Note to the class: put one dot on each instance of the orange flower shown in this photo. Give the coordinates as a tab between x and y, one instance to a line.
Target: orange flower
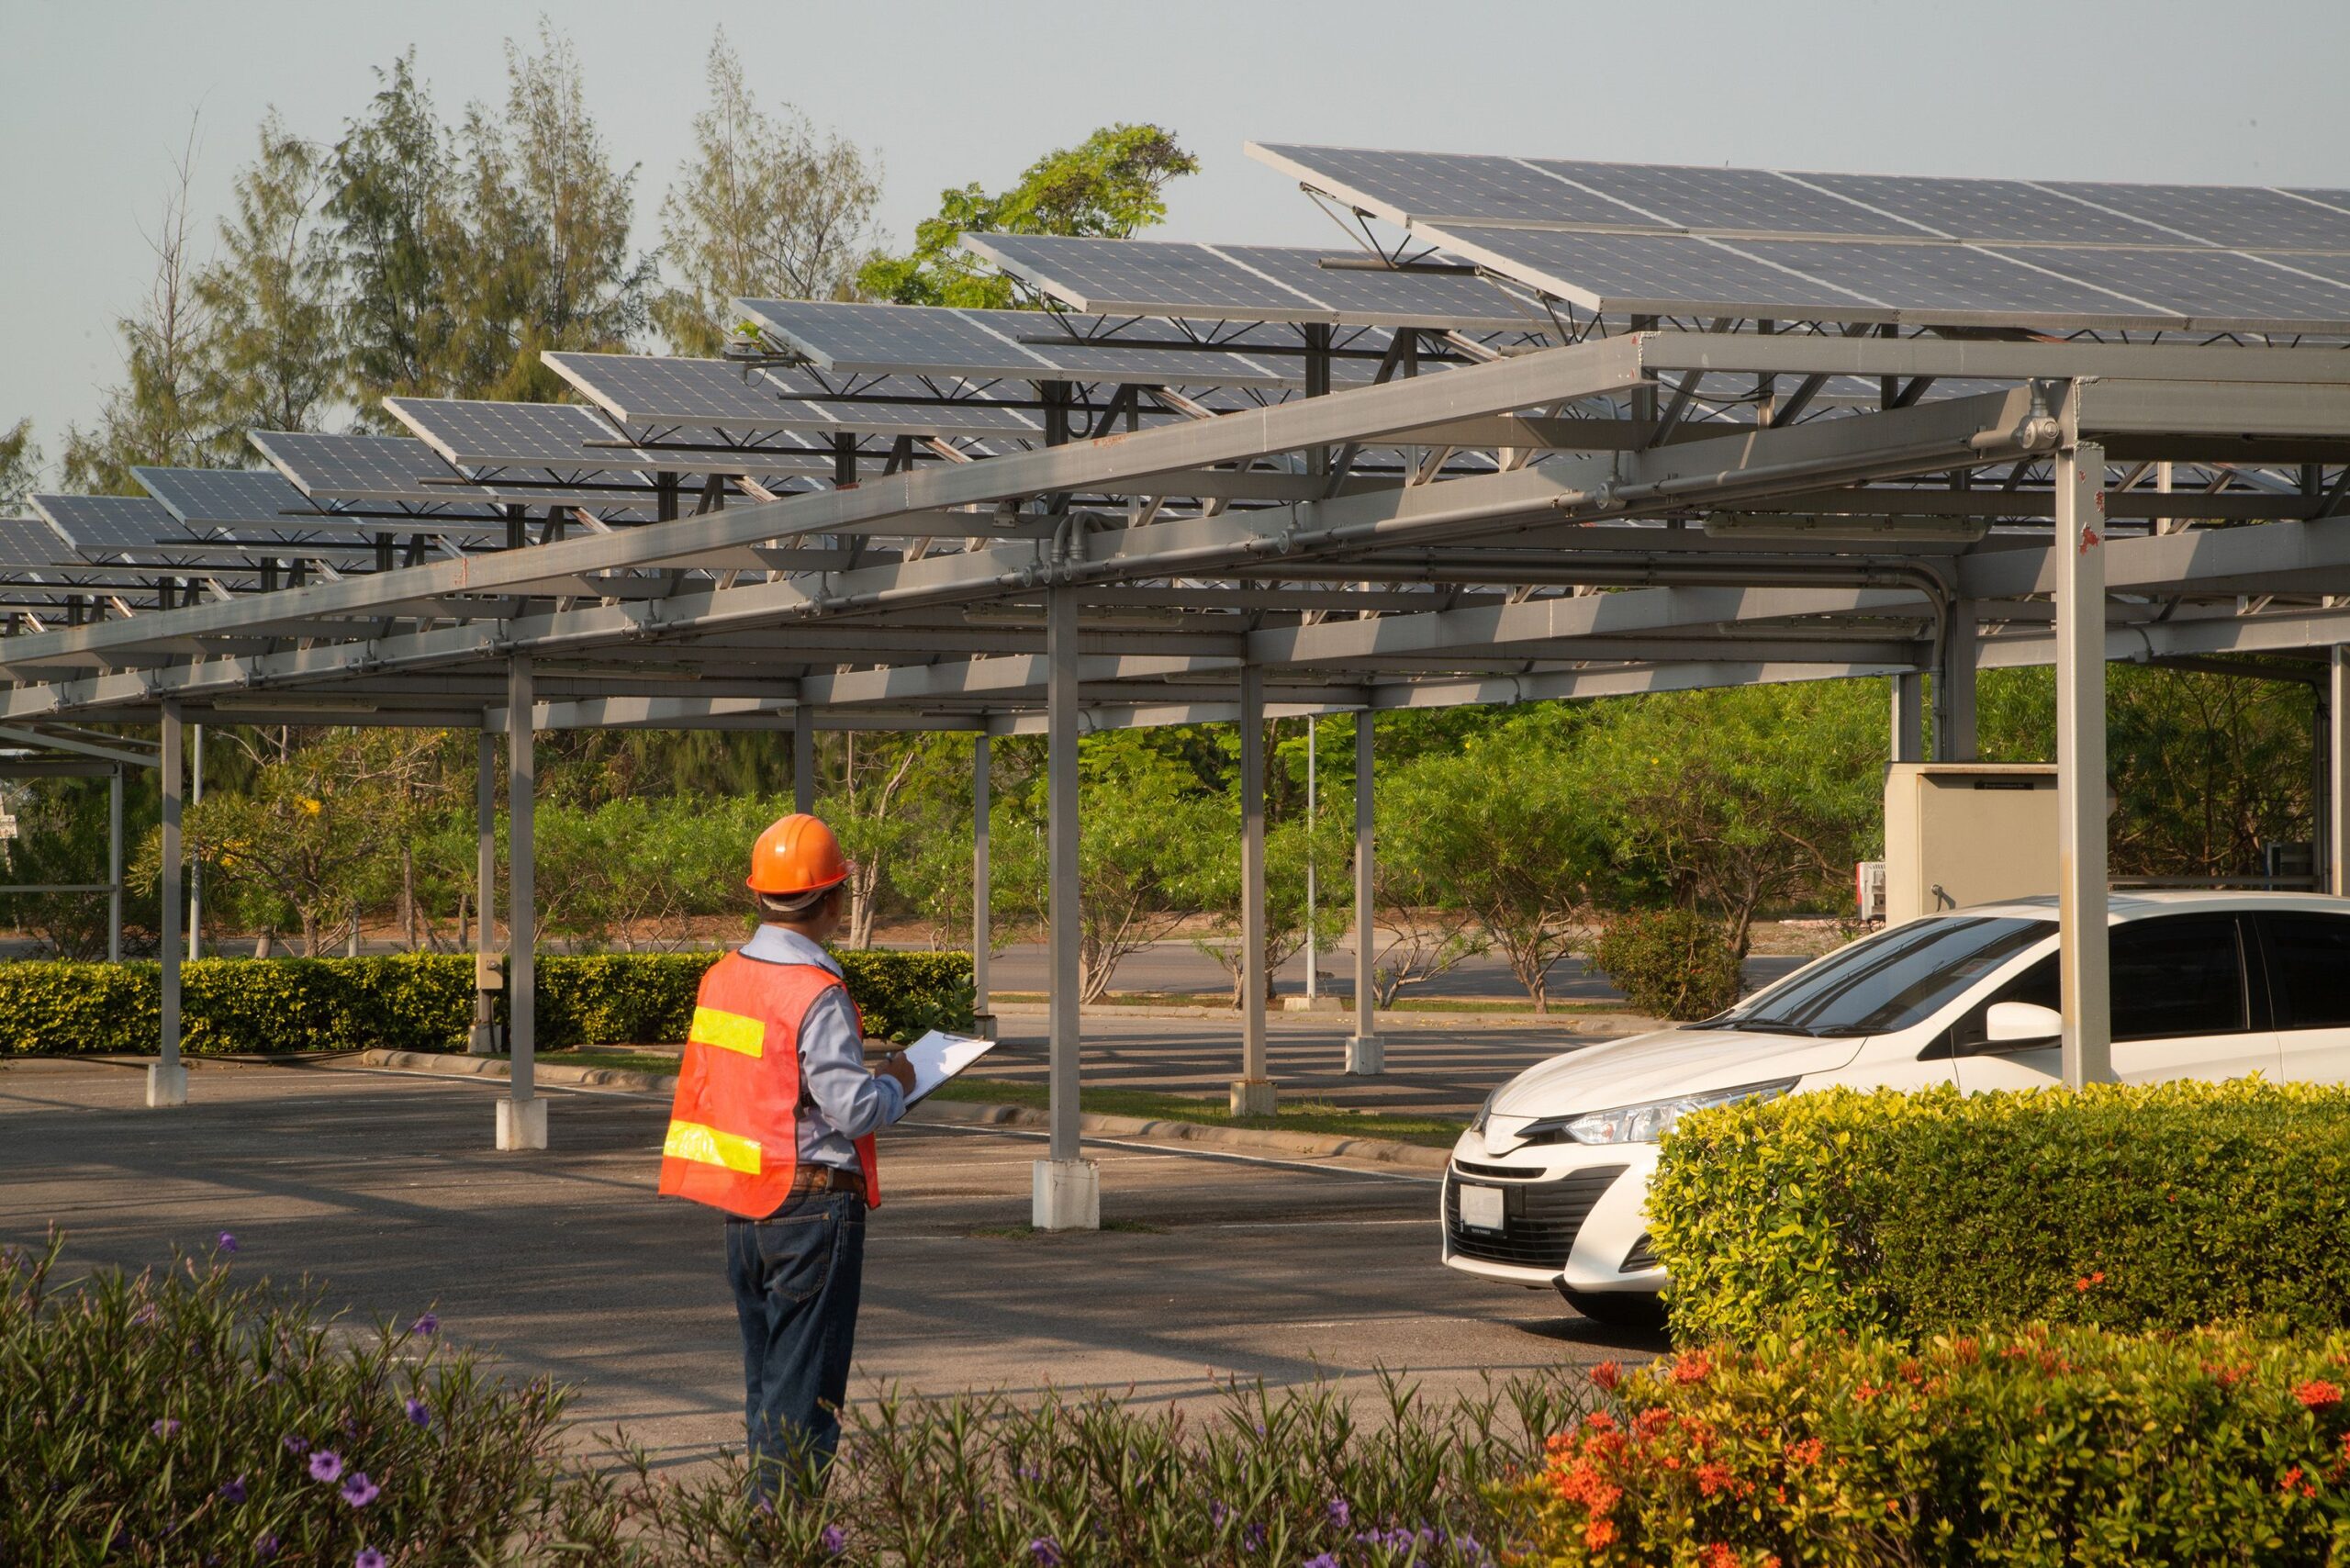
1712	1477
1692	1368
1607	1375
2086	1280
1718	1554
1597	1534
1807	1451
2318	1394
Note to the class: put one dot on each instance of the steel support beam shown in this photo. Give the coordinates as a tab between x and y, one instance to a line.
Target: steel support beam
113	865
803	758
2084	949
2337	776
1908	718
1066	1187
1954	670
483	1039
196	866
982	881
1365	1054
1252	1093
167	1079
521	1115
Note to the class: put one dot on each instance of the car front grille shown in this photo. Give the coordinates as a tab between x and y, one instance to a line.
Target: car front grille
1540	1219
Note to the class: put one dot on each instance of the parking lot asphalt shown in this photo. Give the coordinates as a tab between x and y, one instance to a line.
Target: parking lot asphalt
385	1188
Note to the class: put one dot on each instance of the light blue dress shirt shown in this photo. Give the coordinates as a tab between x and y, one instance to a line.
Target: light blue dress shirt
850	1100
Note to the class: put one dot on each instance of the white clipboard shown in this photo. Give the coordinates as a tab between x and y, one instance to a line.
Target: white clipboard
936	1057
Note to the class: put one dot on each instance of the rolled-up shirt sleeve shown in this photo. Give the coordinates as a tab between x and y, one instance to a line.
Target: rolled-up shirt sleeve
832	1062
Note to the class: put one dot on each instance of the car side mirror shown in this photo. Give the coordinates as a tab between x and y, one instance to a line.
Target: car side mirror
2020	1022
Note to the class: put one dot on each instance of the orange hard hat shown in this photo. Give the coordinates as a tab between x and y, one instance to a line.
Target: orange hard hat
797	854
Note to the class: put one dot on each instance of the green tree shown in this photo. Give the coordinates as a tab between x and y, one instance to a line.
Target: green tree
163	411
397	242
19	467
1107	187
767	209
271	340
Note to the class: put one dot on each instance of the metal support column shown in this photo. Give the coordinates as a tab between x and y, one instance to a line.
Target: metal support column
167	1079
196	867
1954	687
1252	1094
1313	937
1908	718
803	758
1066	1192
483	1040
113	865
982	886
2083	965
521	1115
2337	776
1365	1053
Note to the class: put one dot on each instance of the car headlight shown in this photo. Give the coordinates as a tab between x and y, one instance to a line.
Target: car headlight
1650	1120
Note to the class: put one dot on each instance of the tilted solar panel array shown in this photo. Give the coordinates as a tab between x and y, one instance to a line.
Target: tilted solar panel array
1621	239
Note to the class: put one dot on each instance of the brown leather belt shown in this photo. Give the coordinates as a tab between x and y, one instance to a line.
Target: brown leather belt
826	1179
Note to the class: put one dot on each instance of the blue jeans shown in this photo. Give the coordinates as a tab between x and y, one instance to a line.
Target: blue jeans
796	1276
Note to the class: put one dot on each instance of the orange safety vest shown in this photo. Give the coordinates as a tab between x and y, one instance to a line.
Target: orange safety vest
733	1139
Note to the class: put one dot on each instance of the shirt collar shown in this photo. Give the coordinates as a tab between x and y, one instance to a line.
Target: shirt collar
781	945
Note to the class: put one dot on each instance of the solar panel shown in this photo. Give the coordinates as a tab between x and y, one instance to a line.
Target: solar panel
2245	215
1414	188
1987	211
330	469
30	545
473	433
2217	289
1242	283
216	498
782	407
1028	345
126	528
1742	201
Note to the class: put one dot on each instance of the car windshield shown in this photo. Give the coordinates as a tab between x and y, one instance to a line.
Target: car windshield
1891	980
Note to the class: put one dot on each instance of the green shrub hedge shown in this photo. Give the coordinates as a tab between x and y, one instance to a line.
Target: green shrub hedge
420	1003
2050	1447
2131	1207
1668	963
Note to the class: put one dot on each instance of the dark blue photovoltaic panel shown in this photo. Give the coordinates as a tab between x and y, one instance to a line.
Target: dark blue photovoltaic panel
216	497
330	469
30	545
119	527
1735	200
2214	287
1029	345
1434	187
1988	210
2240	216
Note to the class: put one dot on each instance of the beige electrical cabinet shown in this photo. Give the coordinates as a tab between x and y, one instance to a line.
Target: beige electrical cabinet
1967	833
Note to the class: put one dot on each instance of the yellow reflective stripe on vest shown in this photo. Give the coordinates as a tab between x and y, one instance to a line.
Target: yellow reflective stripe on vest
728	1032
708	1146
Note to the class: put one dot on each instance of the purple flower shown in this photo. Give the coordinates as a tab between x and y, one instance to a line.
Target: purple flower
428	1324
228	1242
166	1427
1323	1559
368	1558
325	1465
1339	1513
834	1541
1252	1538
233	1492
145	1315
266	1547
358	1491
1217	1514
1045	1551
419	1414
295	1445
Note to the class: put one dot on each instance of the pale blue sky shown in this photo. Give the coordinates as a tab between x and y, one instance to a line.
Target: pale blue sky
96	98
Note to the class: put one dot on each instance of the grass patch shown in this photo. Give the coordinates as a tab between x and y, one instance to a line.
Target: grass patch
1305	1116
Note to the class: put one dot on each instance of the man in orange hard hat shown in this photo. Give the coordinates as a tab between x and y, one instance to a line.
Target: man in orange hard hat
774	1124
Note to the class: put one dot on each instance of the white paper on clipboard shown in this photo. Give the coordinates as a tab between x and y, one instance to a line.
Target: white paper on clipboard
936	1057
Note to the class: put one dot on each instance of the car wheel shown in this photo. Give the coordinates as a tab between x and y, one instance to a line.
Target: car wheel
1618	1309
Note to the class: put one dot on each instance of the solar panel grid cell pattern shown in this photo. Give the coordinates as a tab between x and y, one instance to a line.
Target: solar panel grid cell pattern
206	497
362	468
29	545
1480	188
1959	278
1753	199
1599	268
1024	344
1399	297
473	433
118	525
2244	215
2211	285
1990	210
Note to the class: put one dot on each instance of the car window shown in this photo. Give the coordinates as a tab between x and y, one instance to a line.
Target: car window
2311	955
1890	980
2182	974
1972	1034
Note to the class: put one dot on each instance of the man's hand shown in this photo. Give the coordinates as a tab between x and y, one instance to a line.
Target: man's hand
897	1067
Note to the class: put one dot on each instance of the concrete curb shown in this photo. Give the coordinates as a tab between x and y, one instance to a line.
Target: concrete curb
1386	1151
1598	1026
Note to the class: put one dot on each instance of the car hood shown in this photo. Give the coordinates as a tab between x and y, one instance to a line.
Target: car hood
1659	1066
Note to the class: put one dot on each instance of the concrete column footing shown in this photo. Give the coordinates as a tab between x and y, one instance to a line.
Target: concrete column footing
521	1124
1067	1196
1253	1097
166	1084
1366	1056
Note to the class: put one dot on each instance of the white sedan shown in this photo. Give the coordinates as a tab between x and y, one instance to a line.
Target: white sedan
1548	1185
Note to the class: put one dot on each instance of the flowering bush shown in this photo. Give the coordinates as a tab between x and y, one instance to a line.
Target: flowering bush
2047	1447
2128	1206
178	1416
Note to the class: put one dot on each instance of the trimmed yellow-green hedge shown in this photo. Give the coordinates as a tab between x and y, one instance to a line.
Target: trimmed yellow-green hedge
2128	1207
420	1002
